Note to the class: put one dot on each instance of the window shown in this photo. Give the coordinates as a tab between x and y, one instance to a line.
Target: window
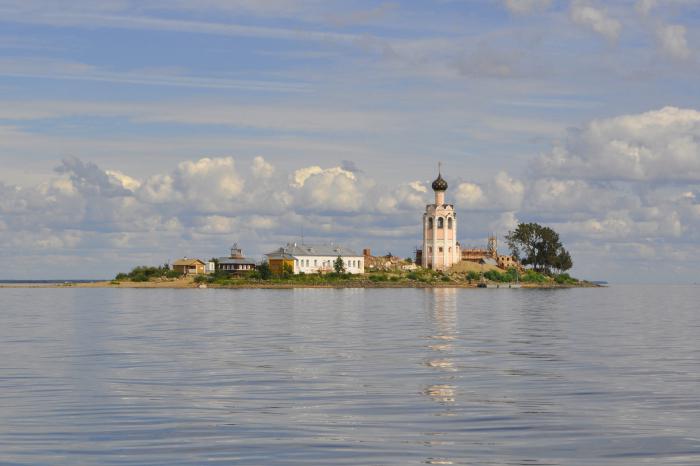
441	222
430	223
440	249
449	223
430	249
315	262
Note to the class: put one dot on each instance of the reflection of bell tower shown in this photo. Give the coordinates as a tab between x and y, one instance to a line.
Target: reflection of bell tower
440	248
492	248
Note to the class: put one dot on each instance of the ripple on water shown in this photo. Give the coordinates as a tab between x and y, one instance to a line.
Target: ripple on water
445	376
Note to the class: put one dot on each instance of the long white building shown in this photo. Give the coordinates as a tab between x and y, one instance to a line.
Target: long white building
318	258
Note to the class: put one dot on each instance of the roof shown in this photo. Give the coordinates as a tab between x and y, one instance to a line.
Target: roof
489	261
439	184
186	261
229	260
297	250
279	255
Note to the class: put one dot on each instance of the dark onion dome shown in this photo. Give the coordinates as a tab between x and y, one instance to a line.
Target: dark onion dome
439	184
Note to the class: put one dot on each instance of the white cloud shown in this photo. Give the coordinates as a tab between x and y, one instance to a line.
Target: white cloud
331	189
262	169
673	42
659	145
526	6
595	19
503	192
644	7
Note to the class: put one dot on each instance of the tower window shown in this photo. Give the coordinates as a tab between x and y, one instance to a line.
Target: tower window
449	223
441	222
430	223
440	249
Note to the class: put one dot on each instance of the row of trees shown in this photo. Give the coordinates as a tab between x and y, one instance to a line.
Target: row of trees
540	247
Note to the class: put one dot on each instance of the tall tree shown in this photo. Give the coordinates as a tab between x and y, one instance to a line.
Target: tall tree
538	246
339	265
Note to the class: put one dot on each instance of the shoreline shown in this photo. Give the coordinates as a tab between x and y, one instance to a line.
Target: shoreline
185	284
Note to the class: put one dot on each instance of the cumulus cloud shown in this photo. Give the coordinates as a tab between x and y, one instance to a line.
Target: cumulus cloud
262	169
671	38
596	19
331	189
624	185
503	192
659	145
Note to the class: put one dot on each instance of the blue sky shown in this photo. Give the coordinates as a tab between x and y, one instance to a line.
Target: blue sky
138	131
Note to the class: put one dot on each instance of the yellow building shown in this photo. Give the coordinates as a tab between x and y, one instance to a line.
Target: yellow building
279	261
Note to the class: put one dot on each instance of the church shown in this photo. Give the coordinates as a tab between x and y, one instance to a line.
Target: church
440	247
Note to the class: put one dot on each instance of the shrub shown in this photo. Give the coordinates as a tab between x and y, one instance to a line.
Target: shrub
264	271
445	278
531	276
473	275
378	277
565	279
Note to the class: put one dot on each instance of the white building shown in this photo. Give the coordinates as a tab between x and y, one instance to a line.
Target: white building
318	258
440	246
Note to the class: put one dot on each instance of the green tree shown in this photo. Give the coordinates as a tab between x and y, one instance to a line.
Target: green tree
264	271
339	265
287	270
538	246
563	260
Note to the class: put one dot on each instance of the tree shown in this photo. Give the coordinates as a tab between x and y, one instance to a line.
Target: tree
264	271
339	265
563	261
287	270
538	246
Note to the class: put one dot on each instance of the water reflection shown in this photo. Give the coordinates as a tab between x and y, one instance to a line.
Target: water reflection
443	317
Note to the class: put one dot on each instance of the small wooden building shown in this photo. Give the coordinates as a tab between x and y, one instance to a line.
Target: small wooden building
236	263
187	266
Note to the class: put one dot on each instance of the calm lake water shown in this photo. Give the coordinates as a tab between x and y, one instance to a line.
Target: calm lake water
480	377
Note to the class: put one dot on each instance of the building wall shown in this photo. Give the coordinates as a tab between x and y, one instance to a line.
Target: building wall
277	265
440	249
324	264
189	269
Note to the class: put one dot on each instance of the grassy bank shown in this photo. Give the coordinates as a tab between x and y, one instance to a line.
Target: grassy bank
393	279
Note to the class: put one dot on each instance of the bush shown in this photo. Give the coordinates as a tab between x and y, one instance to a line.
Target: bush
143	273
473	275
264	271
565	279
445	278
413	275
530	276
378	278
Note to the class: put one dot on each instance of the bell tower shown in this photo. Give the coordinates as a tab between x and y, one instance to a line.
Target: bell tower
440	247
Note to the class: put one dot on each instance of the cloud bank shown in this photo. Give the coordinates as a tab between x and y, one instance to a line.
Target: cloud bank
620	190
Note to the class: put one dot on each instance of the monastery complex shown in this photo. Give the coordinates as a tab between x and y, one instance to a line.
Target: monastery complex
439	251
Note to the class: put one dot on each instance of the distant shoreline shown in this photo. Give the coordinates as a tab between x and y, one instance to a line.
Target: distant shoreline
190	284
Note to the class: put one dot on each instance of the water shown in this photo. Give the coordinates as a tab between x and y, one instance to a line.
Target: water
480	377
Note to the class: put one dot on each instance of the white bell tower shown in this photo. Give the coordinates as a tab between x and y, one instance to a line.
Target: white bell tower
440	247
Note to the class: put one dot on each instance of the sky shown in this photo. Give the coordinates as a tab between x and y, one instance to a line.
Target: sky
140	131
